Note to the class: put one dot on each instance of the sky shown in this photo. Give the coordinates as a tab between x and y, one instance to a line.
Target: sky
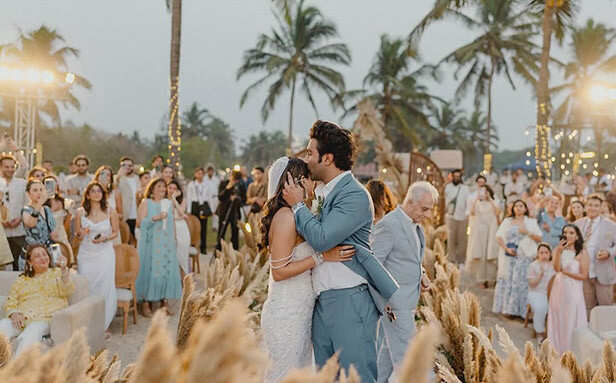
124	51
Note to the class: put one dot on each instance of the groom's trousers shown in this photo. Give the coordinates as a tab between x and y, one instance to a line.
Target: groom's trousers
345	320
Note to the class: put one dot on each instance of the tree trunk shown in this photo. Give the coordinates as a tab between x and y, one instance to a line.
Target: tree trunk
175	132
489	122
543	97
290	138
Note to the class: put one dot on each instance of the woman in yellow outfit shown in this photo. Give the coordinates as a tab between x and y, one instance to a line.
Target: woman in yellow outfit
35	296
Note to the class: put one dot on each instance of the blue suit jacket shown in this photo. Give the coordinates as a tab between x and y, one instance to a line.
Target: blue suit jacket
346	219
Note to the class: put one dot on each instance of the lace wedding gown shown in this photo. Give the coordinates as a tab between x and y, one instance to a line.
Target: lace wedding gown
286	320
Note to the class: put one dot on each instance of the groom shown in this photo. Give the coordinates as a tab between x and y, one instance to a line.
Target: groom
345	316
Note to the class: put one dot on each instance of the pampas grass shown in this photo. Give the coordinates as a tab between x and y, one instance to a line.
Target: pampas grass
5	350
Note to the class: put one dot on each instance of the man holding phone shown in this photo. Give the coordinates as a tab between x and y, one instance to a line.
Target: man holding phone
128	184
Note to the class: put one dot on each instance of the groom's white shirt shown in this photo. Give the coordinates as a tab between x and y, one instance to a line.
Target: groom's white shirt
333	275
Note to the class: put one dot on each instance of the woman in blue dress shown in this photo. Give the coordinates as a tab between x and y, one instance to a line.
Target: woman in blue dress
159	274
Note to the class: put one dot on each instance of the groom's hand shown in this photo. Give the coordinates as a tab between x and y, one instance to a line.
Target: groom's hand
292	193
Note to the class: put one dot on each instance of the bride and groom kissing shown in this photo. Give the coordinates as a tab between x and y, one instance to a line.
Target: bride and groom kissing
327	289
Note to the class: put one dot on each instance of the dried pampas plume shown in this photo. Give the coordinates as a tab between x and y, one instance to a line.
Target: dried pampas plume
5	350
418	361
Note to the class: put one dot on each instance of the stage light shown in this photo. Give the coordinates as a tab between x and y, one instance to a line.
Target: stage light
33	76
47	77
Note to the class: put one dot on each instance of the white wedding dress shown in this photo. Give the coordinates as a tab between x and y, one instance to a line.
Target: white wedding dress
286	320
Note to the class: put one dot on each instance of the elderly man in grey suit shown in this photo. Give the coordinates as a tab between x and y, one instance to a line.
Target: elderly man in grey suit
399	244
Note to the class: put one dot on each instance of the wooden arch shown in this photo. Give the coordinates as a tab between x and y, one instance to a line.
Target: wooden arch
422	168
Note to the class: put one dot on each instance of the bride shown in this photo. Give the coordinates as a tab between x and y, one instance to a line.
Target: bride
286	319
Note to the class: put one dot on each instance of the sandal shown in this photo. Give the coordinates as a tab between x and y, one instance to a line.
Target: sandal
146	311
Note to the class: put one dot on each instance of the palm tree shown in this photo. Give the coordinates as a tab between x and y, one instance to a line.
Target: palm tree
175	133
193	120
556	15
402	101
44	49
297	52
473	146
449	128
504	46
590	48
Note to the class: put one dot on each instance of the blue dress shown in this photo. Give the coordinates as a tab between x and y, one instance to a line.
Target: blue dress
159	273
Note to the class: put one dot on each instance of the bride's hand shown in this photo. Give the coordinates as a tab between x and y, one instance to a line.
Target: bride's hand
339	253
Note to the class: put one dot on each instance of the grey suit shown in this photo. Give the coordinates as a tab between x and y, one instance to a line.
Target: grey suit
395	245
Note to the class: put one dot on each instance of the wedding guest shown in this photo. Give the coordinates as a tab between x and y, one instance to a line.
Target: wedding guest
197	201
514	186
534	201
212	182
231	196
482	252
6	257
182	233
480	181
144	180
159	275
14	198
78	182
567	310
38	219
456	195
104	176
128	186
550	221
36	173
48	166
599	234
399	243
34	297
60	215
576	211
256	194
517	238
157	166
382	198
539	274
167	174
97	227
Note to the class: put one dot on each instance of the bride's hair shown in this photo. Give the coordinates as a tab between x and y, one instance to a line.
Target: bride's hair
298	170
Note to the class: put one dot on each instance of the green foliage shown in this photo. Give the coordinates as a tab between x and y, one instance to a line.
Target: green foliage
263	148
296	53
61	144
43	49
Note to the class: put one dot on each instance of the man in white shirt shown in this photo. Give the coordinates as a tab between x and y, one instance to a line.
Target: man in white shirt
212	182
515	186
14	198
198	202
76	184
128	184
600	241
456	197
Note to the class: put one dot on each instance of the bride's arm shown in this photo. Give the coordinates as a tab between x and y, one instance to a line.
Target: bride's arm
282	241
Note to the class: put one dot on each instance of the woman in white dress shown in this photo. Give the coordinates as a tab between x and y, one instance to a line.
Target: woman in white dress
104	176
96	227
182	233
482	251
286	319
517	238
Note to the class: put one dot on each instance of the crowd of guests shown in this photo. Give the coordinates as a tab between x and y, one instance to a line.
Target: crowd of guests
85	212
532	239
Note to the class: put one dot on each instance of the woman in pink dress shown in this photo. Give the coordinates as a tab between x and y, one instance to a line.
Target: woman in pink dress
567	308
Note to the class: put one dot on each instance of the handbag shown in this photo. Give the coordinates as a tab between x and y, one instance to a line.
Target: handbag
201	210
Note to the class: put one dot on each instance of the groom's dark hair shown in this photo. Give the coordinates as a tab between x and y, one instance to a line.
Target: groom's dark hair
331	138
